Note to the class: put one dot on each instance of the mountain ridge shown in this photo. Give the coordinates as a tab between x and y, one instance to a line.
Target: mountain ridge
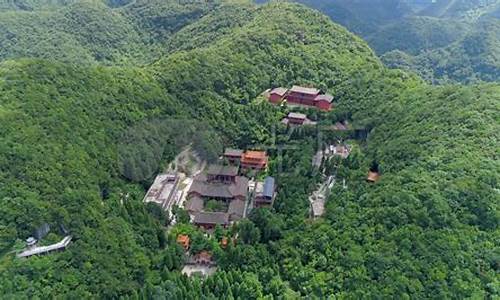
422	29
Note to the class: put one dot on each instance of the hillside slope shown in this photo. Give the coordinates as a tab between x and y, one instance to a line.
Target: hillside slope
92	31
415	35
63	124
475	57
428	228
431	32
466	9
80	142
123	32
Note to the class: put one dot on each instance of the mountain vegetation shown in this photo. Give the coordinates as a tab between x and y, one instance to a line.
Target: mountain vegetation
474	57
91	32
91	114
428	37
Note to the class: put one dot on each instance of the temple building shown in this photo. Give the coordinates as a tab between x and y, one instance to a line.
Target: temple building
223	185
208	220
297	119
163	190
277	95
265	192
304	96
183	240
233	156
254	160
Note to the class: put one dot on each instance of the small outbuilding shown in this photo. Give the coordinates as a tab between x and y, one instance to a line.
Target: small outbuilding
265	192
183	240
297	119
373	176
233	156
277	95
203	258
31	241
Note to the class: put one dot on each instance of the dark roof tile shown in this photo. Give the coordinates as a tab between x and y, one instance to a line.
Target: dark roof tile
222	170
220	218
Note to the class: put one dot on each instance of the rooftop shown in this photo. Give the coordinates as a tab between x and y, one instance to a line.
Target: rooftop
254	154
259	187
45	249
205	271
297	116
219	190
325	97
220	218
269	187
222	170
233	152
304	90
203	254
341	126
162	189
279	91
195	204
236	209
318	207
373	176
183	240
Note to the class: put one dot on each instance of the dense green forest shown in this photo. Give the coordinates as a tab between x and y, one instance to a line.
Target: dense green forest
86	122
427	37
472	58
443	41
93	31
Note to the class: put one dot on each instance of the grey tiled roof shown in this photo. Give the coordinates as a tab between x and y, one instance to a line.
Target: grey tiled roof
222	170
279	91
211	218
233	152
220	190
325	97
236	209
195	204
304	90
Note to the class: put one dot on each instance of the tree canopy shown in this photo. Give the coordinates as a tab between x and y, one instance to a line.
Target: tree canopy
86	123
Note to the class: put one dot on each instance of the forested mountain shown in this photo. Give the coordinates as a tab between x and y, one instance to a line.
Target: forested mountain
474	57
366	17
88	117
92	31
424	33
36	5
468	9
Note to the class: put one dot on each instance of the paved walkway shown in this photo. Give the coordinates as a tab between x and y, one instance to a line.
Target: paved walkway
319	197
